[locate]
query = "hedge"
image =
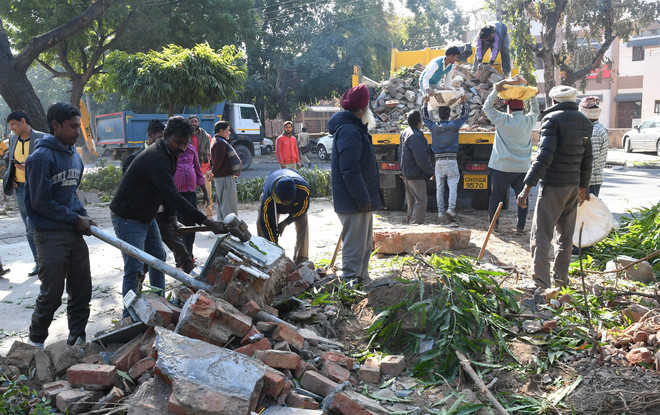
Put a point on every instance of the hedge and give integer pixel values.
(319, 180)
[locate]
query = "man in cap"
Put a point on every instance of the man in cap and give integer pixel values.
(286, 148)
(285, 192)
(512, 152)
(564, 168)
(590, 107)
(355, 182)
(438, 70)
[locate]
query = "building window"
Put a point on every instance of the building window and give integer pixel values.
(657, 107)
(638, 53)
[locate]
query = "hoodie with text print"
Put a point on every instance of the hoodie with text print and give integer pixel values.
(54, 172)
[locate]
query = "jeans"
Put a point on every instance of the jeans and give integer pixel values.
(500, 181)
(64, 260)
(144, 236)
(29, 232)
(189, 238)
(446, 170)
(357, 244)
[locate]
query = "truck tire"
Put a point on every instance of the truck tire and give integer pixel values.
(480, 199)
(244, 154)
(393, 196)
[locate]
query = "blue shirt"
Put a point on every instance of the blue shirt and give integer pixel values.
(444, 134)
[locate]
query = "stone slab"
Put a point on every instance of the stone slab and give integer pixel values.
(427, 238)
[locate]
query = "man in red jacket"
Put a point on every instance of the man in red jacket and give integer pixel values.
(286, 148)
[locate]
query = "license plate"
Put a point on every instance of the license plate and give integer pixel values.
(475, 181)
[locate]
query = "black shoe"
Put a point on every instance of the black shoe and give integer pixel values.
(76, 340)
(34, 271)
(519, 230)
(3, 271)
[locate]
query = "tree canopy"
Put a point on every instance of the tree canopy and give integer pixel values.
(175, 77)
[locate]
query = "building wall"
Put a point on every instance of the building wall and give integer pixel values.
(628, 67)
(651, 85)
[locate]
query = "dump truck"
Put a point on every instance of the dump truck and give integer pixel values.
(121, 133)
(473, 154)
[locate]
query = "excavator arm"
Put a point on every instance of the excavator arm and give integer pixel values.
(86, 127)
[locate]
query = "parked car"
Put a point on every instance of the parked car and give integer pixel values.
(324, 147)
(645, 137)
(267, 146)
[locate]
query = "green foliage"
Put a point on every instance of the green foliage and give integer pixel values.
(175, 76)
(17, 398)
(435, 23)
(104, 180)
(319, 181)
(463, 309)
(638, 236)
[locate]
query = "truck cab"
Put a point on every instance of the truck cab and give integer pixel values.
(121, 133)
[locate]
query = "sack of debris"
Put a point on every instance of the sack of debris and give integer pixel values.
(597, 220)
(520, 92)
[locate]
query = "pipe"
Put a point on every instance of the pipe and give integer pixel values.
(150, 260)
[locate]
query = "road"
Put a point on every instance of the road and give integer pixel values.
(264, 164)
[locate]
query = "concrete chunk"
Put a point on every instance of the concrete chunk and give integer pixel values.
(153, 310)
(150, 398)
(64, 356)
(429, 238)
(207, 378)
(21, 355)
(283, 410)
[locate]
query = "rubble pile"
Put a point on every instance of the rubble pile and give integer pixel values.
(638, 344)
(401, 94)
(222, 351)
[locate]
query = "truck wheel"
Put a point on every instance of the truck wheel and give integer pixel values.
(245, 155)
(393, 196)
(480, 199)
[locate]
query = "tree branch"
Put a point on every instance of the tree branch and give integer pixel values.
(4, 41)
(62, 53)
(49, 39)
(56, 73)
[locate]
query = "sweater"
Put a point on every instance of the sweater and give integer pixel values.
(269, 209)
(224, 159)
(286, 150)
(599, 146)
(444, 134)
(415, 155)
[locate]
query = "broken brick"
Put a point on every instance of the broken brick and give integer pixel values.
(282, 346)
(64, 356)
(286, 333)
(266, 326)
(250, 349)
(274, 383)
(286, 390)
(141, 367)
(370, 371)
(84, 374)
(296, 400)
(639, 355)
(127, 355)
(252, 336)
(392, 365)
(182, 294)
(114, 396)
(352, 403)
(302, 368)
(335, 372)
(317, 383)
(278, 359)
(43, 370)
(238, 323)
(75, 401)
(153, 310)
(196, 317)
(251, 308)
(50, 390)
(21, 355)
(338, 358)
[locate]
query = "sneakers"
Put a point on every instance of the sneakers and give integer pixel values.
(37, 345)
(76, 340)
(34, 271)
(519, 230)
(451, 214)
(3, 271)
(443, 219)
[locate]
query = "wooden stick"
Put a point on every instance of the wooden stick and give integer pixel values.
(334, 255)
(477, 380)
(649, 256)
(490, 230)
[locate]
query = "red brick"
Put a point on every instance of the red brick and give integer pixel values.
(282, 346)
(338, 358)
(182, 294)
(296, 400)
(84, 374)
(50, 390)
(373, 363)
(270, 310)
(127, 355)
(317, 383)
(238, 323)
(147, 343)
(369, 374)
(335, 372)
(249, 349)
(639, 355)
(154, 310)
(302, 368)
(289, 335)
(252, 336)
(346, 404)
(251, 308)
(234, 294)
(266, 326)
(141, 367)
(274, 382)
(278, 359)
(74, 401)
(228, 273)
(288, 387)
(114, 396)
(392, 365)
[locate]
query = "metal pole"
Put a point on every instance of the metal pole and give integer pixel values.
(150, 260)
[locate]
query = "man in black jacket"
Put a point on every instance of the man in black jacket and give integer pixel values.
(416, 167)
(147, 184)
(564, 168)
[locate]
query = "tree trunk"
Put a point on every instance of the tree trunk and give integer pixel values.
(77, 87)
(17, 91)
(548, 75)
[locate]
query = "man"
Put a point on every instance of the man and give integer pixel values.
(285, 192)
(226, 167)
(496, 38)
(286, 148)
(201, 140)
(590, 107)
(511, 155)
(166, 220)
(304, 148)
(416, 167)
(564, 168)
(54, 171)
(444, 143)
(438, 70)
(22, 142)
(147, 184)
(355, 182)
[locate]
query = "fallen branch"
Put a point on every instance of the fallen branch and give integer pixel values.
(654, 254)
(490, 230)
(477, 380)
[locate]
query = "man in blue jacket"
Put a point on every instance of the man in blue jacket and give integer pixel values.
(285, 192)
(355, 182)
(444, 143)
(416, 167)
(54, 172)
